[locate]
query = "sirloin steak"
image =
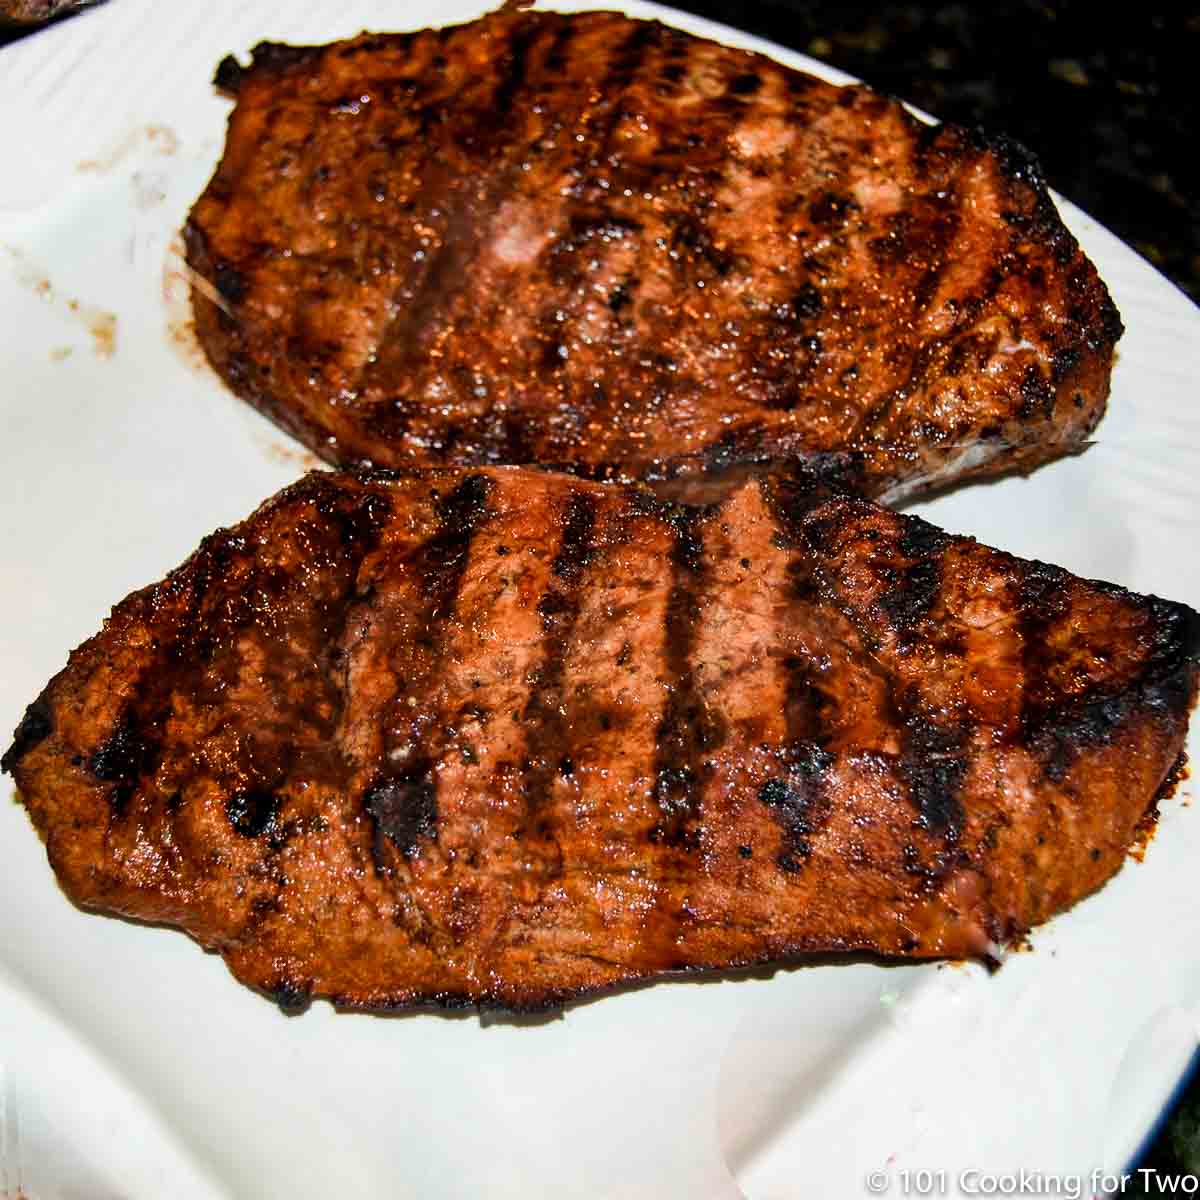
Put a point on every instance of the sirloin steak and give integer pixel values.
(506, 737)
(609, 246)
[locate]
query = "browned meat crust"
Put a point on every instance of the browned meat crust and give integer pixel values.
(606, 245)
(506, 737)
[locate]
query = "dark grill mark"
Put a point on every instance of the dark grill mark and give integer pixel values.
(917, 585)
(403, 805)
(548, 727)
(576, 550)
(795, 799)
(443, 559)
(359, 526)
(934, 763)
(514, 65)
(920, 539)
(792, 501)
(252, 813)
(36, 725)
(1041, 601)
(913, 595)
(403, 809)
(556, 56)
(688, 730)
(1058, 728)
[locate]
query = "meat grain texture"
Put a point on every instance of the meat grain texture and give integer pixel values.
(506, 737)
(608, 246)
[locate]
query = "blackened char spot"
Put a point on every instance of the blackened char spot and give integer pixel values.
(358, 527)
(36, 725)
(807, 301)
(231, 283)
(404, 810)
(129, 751)
(745, 85)
(934, 763)
(688, 730)
(1041, 602)
(920, 538)
(293, 998)
(252, 812)
(796, 801)
(229, 74)
(830, 210)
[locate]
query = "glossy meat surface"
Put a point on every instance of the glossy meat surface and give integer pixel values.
(506, 737)
(608, 246)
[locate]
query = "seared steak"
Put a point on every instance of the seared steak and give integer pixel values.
(507, 737)
(605, 245)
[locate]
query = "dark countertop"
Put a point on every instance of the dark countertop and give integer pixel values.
(1104, 97)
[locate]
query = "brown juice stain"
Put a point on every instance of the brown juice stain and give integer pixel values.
(99, 322)
(289, 456)
(161, 140)
(61, 353)
(176, 293)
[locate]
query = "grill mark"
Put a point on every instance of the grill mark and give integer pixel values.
(556, 56)
(918, 585)
(548, 728)
(933, 763)
(517, 59)
(466, 225)
(797, 801)
(1060, 729)
(1042, 597)
(790, 500)
(402, 806)
(687, 731)
(443, 559)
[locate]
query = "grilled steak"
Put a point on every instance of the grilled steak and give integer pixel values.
(508, 737)
(605, 245)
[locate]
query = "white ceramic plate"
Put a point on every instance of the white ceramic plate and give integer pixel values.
(131, 1065)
